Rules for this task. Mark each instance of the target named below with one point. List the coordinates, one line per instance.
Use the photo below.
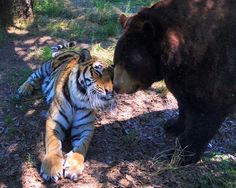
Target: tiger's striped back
(56, 67)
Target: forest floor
(129, 147)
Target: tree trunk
(6, 12)
(23, 9)
(10, 9)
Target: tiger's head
(94, 80)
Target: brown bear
(191, 44)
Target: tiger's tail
(56, 49)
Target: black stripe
(79, 86)
(79, 125)
(61, 126)
(78, 74)
(86, 130)
(61, 111)
(66, 92)
(84, 136)
(44, 70)
(48, 68)
(84, 73)
(85, 116)
(64, 57)
(37, 73)
(48, 90)
(79, 108)
(62, 114)
(74, 138)
(59, 65)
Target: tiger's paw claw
(74, 165)
(25, 90)
(52, 167)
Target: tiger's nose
(109, 93)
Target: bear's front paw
(174, 127)
(25, 90)
(52, 167)
(74, 165)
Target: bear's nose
(116, 88)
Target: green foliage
(102, 5)
(105, 23)
(51, 8)
(95, 25)
(46, 53)
(76, 31)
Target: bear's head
(137, 57)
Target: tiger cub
(74, 85)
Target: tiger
(75, 85)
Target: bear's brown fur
(191, 44)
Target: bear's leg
(200, 128)
(176, 126)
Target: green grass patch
(51, 8)
(102, 5)
(215, 171)
(103, 54)
(98, 23)
(76, 30)
(46, 54)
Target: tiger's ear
(85, 55)
(123, 20)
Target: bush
(51, 8)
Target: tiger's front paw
(52, 167)
(74, 165)
(25, 90)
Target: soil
(126, 144)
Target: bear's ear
(148, 29)
(123, 20)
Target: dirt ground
(127, 144)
